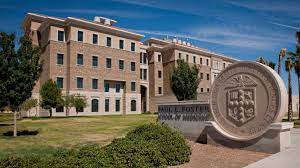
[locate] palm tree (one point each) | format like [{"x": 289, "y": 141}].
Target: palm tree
[
  {"x": 272, "y": 65},
  {"x": 261, "y": 60},
  {"x": 280, "y": 57},
  {"x": 296, "y": 64},
  {"x": 288, "y": 68}
]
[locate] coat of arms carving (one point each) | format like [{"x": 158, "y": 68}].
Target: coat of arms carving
[{"x": 241, "y": 96}]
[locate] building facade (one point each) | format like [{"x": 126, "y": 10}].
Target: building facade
[{"x": 111, "y": 67}]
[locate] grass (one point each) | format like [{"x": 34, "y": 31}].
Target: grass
[
  {"x": 4, "y": 117},
  {"x": 67, "y": 132}
]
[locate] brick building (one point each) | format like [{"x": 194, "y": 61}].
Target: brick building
[{"x": 110, "y": 66}]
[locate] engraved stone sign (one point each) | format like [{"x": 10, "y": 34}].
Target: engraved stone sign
[{"x": 246, "y": 98}]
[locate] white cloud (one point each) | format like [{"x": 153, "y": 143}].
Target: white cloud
[{"x": 284, "y": 25}]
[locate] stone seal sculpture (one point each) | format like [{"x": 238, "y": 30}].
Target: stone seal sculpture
[{"x": 246, "y": 98}]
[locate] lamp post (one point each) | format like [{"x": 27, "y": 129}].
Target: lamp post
[{"x": 280, "y": 56}]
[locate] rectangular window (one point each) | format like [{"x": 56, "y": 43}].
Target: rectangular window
[
  {"x": 159, "y": 90},
  {"x": 141, "y": 73},
  {"x": 106, "y": 105},
  {"x": 194, "y": 59},
  {"x": 159, "y": 58},
  {"x": 201, "y": 75},
  {"x": 118, "y": 87},
  {"x": 224, "y": 65},
  {"x": 201, "y": 90},
  {"x": 132, "y": 46},
  {"x": 133, "y": 86},
  {"x": 94, "y": 83},
  {"x": 59, "y": 109},
  {"x": 200, "y": 60},
  {"x": 207, "y": 62},
  {"x": 60, "y": 82},
  {"x": 132, "y": 66},
  {"x": 108, "y": 41},
  {"x": 79, "y": 83},
  {"x": 121, "y": 64},
  {"x": 80, "y": 109},
  {"x": 106, "y": 87},
  {"x": 207, "y": 89},
  {"x": 207, "y": 76},
  {"x": 94, "y": 61},
  {"x": 187, "y": 58},
  {"x": 117, "y": 104},
  {"x": 179, "y": 55},
  {"x": 60, "y": 59},
  {"x": 108, "y": 62},
  {"x": 95, "y": 38},
  {"x": 121, "y": 44},
  {"x": 60, "y": 35},
  {"x": 79, "y": 59},
  {"x": 80, "y": 36},
  {"x": 145, "y": 58},
  {"x": 145, "y": 74},
  {"x": 159, "y": 74}
]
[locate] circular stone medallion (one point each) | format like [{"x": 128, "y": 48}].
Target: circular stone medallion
[{"x": 246, "y": 98}]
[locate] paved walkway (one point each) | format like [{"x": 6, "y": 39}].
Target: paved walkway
[{"x": 288, "y": 159}]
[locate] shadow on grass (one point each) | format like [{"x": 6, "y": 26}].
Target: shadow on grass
[{"x": 21, "y": 133}]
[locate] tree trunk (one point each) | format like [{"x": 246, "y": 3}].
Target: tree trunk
[
  {"x": 290, "y": 112},
  {"x": 50, "y": 110},
  {"x": 279, "y": 65},
  {"x": 15, "y": 123},
  {"x": 299, "y": 96}
]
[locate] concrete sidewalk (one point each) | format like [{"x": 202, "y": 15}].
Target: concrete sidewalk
[{"x": 287, "y": 159}]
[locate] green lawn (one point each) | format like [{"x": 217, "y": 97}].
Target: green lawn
[{"x": 67, "y": 132}]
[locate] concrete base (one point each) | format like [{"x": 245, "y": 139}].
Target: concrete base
[{"x": 276, "y": 139}]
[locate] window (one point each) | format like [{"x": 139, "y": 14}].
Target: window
[
  {"x": 145, "y": 74},
  {"x": 224, "y": 65},
  {"x": 200, "y": 60},
  {"x": 60, "y": 59},
  {"x": 145, "y": 58},
  {"x": 94, "y": 61},
  {"x": 60, "y": 35},
  {"x": 121, "y": 44},
  {"x": 132, "y": 66},
  {"x": 80, "y": 36},
  {"x": 207, "y": 76},
  {"x": 132, "y": 46},
  {"x": 59, "y": 109},
  {"x": 94, "y": 83},
  {"x": 121, "y": 64},
  {"x": 108, "y": 62},
  {"x": 141, "y": 73},
  {"x": 95, "y": 38},
  {"x": 95, "y": 105},
  {"x": 201, "y": 75},
  {"x": 133, "y": 105},
  {"x": 80, "y": 109},
  {"x": 159, "y": 90},
  {"x": 118, "y": 87},
  {"x": 79, "y": 82},
  {"x": 194, "y": 59},
  {"x": 201, "y": 90},
  {"x": 159, "y": 58},
  {"x": 60, "y": 82},
  {"x": 106, "y": 87},
  {"x": 106, "y": 105},
  {"x": 207, "y": 89},
  {"x": 207, "y": 62},
  {"x": 108, "y": 41},
  {"x": 117, "y": 105},
  {"x": 79, "y": 59},
  {"x": 179, "y": 55},
  {"x": 133, "y": 86},
  {"x": 187, "y": 58},
  {"x": 159, "y": 74}
]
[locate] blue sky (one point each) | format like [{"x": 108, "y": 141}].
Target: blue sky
[{"x": 241, "y": 29}]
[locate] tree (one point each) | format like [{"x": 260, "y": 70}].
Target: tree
[
  {"x": 280, "y": 57},
  {"x": 288, "y": 68},
  {"x": 271, "y": 65},
  {"x": 29, "y": 104},
  {"x": 79, "y": 102},
  {"x": 296, "y": 64},
  {"x": 50, "y": 95},
  {"x": 67, "y": 102},
  {"x": 19, "y": 70},
  {"x": 185, "y": 81},
  {"x": 266, "y": 62}
]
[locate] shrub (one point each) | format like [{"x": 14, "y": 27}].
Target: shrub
[
  {"x": 170, "y": 143},
  {"x": 127, "y": 153}
]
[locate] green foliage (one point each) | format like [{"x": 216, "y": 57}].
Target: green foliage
[
  {"x": 19, "y": 70},
  {"x": 266, "y": 62},
  {"x": 76, "y": 101},
  {"x": 170, "y": 143},
  {"x": 50, "y": 95},
  {"x": 29, "y": 104},
  {"x": 185, "y": 81}
]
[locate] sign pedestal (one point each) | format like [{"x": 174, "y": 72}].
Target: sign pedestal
[{"x": 277, "y": 138}]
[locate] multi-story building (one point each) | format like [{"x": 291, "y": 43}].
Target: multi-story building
[
  {"x": 111, "y": 67},
  {"x": 163, "y": 55},
  {"x": 90, "y": 58}
]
